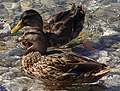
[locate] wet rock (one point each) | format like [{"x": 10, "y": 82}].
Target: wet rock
[
  {"x": 3, "y": 69},
  {"x": 104, "y": 59},
  {"x": 6, "y": 28},
  {"x": 116, "y": 69},
  {"x": 9, "y": 0},
  {"x": 106, "y": 2},
  {"x": 3, "y": 13},
  {"x": 18, "y": 83},
  {"x": 1, "y": 6},
  {"x": 2, "y": 43},
  {"x": 16, "y": 52},
  {"x": 3, "y": 48},
  {"x": 48, "y": 3},
  {"x": 10, "y": 5},
  {"x": 15, "y": 70},
  {"x": 4, "y": 62},
  {"x": 1, "y": 1},
  {"x": 26, "y": 4},
  {"x": 9, "y": 75},
  {"x": 37, "y": 86},
  {"x": 103, "y": 53},
  {"x": 2, "y": 88},
  {"x": 24, "y": 80},
  {"x": 113, "y": 80},
  {"x": 17, "y": 63},
  {"x": 11, "y": 85}
]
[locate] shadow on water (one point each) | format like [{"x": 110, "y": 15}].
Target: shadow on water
[
  {"x": 105, "y": 43},
  {"x": 87, "y": 88},
  {"x": 2, "y": 35},
  {"x": 108, "y": 41},
  {"x": 2, "y": 88},
  {"x": 93, "y": 87}
]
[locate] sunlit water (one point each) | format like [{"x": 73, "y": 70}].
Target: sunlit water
[{"x": 102, "y": 28}]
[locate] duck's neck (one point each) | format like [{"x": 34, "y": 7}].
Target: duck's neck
[
  {"x": 40, "y": 42},
  {"x": 33, "y": 29}
]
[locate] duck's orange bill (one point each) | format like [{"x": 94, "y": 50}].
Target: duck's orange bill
[
  {"x": 17, "y": 27},
  {"x": 17, "y": 41}
]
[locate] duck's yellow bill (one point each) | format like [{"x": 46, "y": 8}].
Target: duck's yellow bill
[{"x": 17, "y": 27}]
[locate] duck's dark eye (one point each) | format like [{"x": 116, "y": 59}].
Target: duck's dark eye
[{"x": 26, "y": 22}]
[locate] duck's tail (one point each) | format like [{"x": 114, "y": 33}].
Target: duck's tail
[
  {"x": 98, "y": 75},
  {"x": 101, "y": 73}
]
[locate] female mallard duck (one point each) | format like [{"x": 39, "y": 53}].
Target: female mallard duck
[
  {"x": 59, "y": 66},
  {"x": 63, "y": 27}
]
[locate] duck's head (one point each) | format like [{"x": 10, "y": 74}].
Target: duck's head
[
  {"x": 34, "y": 42},
  {"x": 29, "y": 18}
]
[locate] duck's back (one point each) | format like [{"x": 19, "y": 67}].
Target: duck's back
[
  {"x": 65, "y": 26},
  {"x": 63, "y": 68}
]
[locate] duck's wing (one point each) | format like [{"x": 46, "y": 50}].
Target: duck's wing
[
  {"x": 61, "y": 22},
  {"x": 62, "y": 35},
  {"x": 62, "y": 15},
  {"x": 73, "y": 66},
  {"x": 56, "y": 21},
  {"x": 59, "y": 16},
  {"x": 65, "y": 26}
]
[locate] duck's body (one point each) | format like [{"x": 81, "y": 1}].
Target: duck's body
[
  {"x": 63, "y": 27},
  {"x": 63, "y": 68},
  {"x": 59, "y": 66}
]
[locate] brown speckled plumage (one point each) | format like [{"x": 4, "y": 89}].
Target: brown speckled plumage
[{"x": 63, "y": 68}]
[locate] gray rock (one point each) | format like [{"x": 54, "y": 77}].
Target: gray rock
[
  {"x": 26, "y": 4},
  {"x": 2, "y": 88},
  {"x": 6, "y": 28},
  {"x": 9, "y": 0},
  {"x": 3, "y": 69},
  {"x": 9, "y": 75}
]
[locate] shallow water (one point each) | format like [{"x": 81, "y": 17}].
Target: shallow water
[{"x": 103, "y": 33}]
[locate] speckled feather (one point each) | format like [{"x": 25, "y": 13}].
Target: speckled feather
[{"x": 63, "y": 67}]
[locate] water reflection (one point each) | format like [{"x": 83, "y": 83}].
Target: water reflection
[{"x": 102, "y": 14}]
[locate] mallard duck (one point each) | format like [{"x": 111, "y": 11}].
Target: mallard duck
[
  {"x": 63, "y": 26},
  {"x": 59, "y": 67}
]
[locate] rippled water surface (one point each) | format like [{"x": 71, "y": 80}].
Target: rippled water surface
[{"x": 101, "y": 29}]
